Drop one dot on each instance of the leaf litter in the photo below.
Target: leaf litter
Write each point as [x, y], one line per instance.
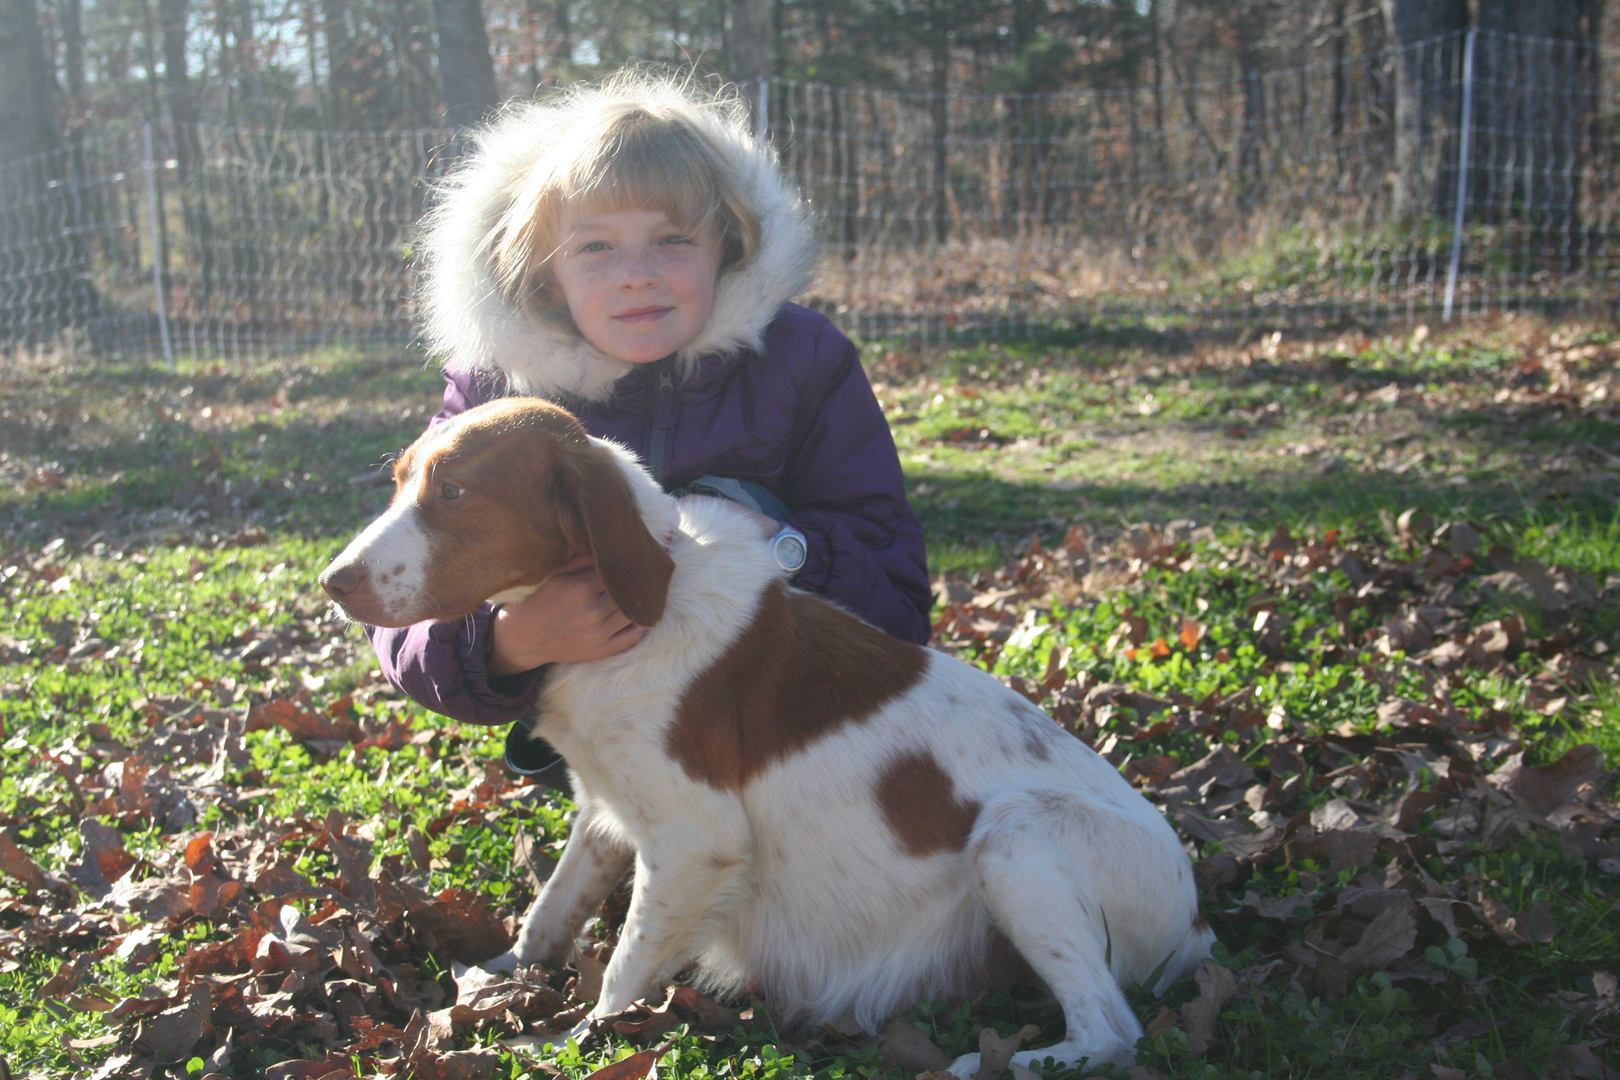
[1337, 847]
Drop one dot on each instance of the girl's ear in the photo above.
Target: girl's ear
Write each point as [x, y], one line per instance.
[633, 565]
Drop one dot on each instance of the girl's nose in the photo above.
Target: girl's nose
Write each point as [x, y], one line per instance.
[636, 270]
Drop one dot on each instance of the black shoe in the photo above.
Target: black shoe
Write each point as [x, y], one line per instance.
[532, 757]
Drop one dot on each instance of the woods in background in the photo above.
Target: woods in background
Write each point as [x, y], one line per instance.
[1142, 124]
[370, 64]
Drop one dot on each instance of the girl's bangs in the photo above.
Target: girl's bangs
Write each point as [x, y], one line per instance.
[642, 169]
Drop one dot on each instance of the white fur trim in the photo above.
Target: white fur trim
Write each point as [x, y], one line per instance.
[471, 328]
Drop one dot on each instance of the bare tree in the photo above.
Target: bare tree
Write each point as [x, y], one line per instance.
[1428, 48]
[1537, 74]
[43, 282]
[750, 40]
[465, 71]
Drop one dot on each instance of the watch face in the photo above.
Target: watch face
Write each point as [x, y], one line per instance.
[790, 552]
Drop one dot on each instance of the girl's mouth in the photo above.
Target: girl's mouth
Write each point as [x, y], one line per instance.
[640, 315]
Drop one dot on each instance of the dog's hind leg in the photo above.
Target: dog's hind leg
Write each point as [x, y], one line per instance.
[1040, 861]
[591, 865]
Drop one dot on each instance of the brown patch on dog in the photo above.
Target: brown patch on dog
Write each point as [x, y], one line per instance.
[919, 802]
[801, 670]
[1200, 923]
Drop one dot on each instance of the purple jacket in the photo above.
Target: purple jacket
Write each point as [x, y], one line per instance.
[798, 417]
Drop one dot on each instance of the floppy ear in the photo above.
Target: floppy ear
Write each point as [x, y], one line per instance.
[633, 564]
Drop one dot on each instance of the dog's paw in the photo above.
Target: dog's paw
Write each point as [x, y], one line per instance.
[506, 963]
[965, 1067]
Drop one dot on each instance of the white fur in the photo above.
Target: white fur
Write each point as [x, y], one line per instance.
[471, 327]
[796, 886]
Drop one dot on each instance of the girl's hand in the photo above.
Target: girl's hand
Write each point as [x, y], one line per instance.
[569, 618]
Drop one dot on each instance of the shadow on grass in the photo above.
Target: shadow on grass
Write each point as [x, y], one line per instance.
[963, 510]
[314, 478]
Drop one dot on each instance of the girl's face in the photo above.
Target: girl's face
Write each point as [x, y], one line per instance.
[638, 286]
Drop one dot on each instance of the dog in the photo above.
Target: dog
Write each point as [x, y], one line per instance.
[839, 821]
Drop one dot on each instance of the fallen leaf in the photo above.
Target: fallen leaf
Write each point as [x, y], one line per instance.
[589, 985]
[1387, 938]
[633, 1067]
[904, 1046]
[170, 1035]
[1545, 789]
[995, 1052]
[15, 863]
[1216, 986]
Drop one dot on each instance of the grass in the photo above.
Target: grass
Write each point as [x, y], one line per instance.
[179, 520]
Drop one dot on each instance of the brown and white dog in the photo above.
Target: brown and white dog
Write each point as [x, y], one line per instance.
[816, 812]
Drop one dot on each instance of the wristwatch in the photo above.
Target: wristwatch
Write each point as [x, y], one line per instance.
[791, 549]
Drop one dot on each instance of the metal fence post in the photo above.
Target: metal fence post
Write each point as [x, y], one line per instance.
[157, 248]
[1463, 154]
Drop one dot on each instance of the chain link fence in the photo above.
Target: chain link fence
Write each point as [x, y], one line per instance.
[1467, 174]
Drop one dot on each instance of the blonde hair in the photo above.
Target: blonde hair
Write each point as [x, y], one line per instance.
[648, 144]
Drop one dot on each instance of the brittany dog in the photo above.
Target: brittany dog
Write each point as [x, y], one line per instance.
[816, 812]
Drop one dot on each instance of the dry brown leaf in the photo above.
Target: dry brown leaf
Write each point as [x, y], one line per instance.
[104, 850]
[1582, 1064]
[477, 1064]
[1387, 938]
[1535, 924]
[995, 1052]
[15, 863]
[460, 925]
[1216, 986]
[633, 1067]
[591, 969]
[1162, 1022]
[904, 1046]
[170, 1035]
[1543, 790]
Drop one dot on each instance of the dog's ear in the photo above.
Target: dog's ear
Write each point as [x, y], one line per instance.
[634, 566]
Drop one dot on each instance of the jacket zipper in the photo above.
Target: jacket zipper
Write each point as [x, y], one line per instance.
[663, 422]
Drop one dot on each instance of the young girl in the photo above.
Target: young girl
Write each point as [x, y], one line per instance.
[628, 252]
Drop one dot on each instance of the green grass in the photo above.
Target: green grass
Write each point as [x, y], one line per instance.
[144, 476]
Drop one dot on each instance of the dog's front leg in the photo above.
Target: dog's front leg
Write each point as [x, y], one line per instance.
[592, 863]
[687, 878]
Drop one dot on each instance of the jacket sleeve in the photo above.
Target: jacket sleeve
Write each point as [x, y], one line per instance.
[444, 665]
[844, 480]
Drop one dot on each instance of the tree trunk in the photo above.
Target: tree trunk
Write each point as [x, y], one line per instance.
[1427, 84]
[940, 58]
[1535, 100]
[750, 48]
[562, 33]
[466, 73]
[44, 281]
[340, 80]
[73, 60]
[176, 84]
[247, 53]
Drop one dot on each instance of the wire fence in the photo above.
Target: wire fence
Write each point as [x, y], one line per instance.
[1466, 174]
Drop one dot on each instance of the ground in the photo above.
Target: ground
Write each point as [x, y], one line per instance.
[1345, 606]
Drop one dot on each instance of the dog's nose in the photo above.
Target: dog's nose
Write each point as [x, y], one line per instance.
[342, 581]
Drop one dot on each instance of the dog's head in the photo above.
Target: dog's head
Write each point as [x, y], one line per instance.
[491, 503]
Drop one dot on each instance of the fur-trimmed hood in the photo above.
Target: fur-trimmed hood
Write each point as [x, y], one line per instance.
[471, 327]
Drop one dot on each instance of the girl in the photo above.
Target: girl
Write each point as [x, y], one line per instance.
[628, 252]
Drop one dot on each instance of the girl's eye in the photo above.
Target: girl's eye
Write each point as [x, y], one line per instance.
[592, 247]
[677, 238]
[450, 491]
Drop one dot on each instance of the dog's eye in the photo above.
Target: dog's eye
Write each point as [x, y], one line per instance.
[450, 491]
